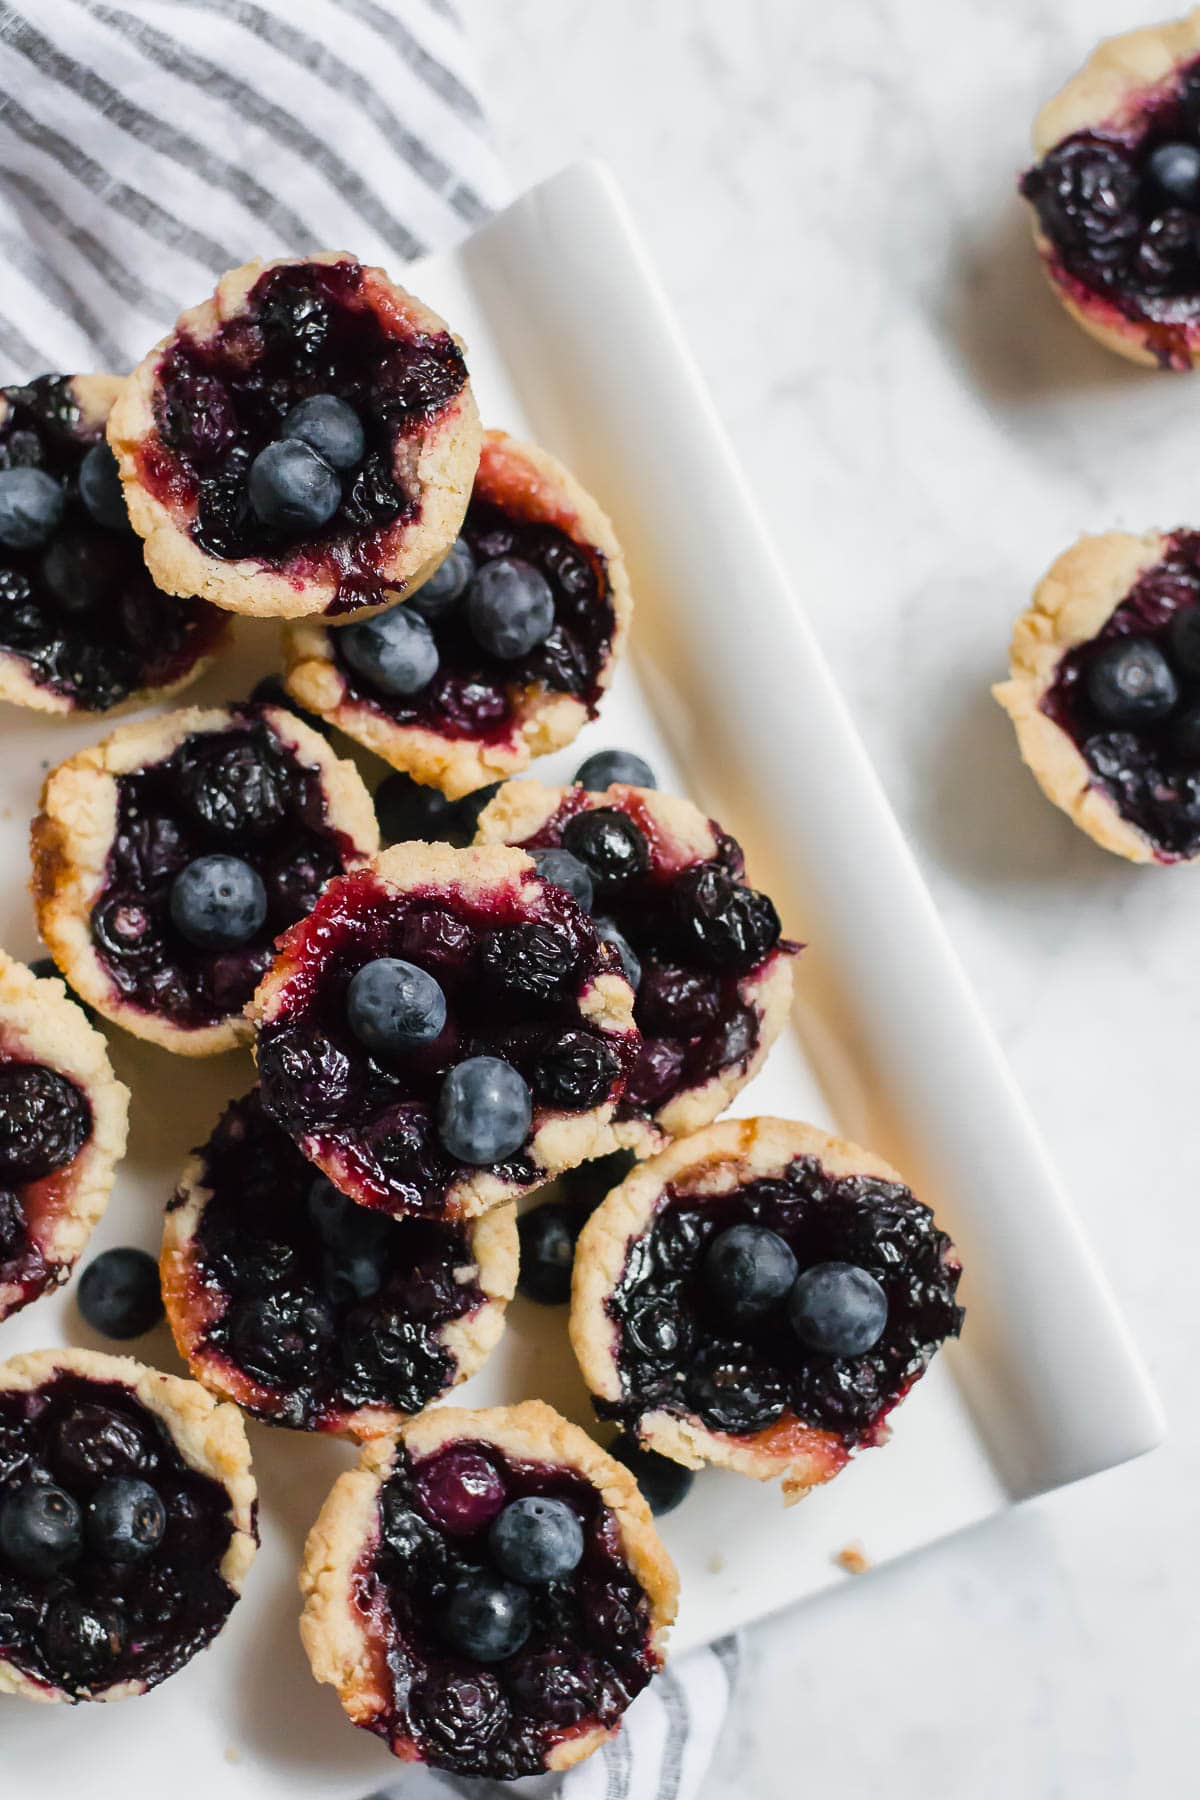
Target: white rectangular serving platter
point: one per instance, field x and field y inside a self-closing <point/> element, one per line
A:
<point x="571" y="343"/>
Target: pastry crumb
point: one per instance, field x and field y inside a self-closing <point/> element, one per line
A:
<point x="232" y="1754"/>
<point x="853" y="1558"/>
<point x="716" y="1562"/>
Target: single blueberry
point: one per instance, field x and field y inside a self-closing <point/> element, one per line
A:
<point x="440" y="593"/>
<point x="82" y="1639"/>
<point x="604" y="767"/>
<point x="548" y="1234"/>
<point x="724" y="924"/>
<point x="41" y="1529"/>
<point x="45" y="1120"/>
<point x="567" y="871"/>
<point x="282" y="1337"/>
<point x="1174" y="170"/>
<point x="630" y="961"/>
<point x="1129" y="682"/>
<point x="392" y="1006"/>
<point x="31" y="507"/>
<point x="126" y="1520"/>
<point x="120" y="1293"/>
<point x="610" y="846"/>
<point x="395" y="651"/>
<point x="536" y="1540"/>
<point x="484" y="1110"/>
<point x="575" y="1070"/>
<point x="330" y="427"/>
<point x="218" y="902"/>
<point x="1183" y="640"/>
<point x="485" y="1618"/>
<point x="732" y="1391"/>
<point x="838" y="1309"/>
<point x="663" y="1483"/>
<point x="100" y="488"/>
<point x="748" y="1270"/>
<point x="292" y="489"/>
<point x="510" y="608"/>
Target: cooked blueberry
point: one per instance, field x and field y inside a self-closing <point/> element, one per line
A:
<point x="609" y="845"/>
<point x="218" y="902"/>
<point x="330" y="427"/>
<point x="353" y="1272"/>
<point x="395" y="651"/>
<point x="120" y="1293"/>
<point x="748" y="1270"/>
<point x="409" y="1536"/>
<point x="656" y="1073"/>
<point x="82" y="1639"/>
<point x="392" y="1006"/>
<point x="604" y="767"/>
<point x="78" y="570"/>
<point x="510" y="607"/>
<point x="725" y="925"/>
<point x="291" y="488"/>
<point x="534" y="960"/>
<point x="441" y="592"/>
<point x="1086" y="195"/>
<point x="270" y="691"/>
<point x="575" y="1070"/>
<point x="100" y="488"/>
<point x="1183" y="638"/>
<point x="732" y="1392"/>
<point x="1129" y="682"/>
<point x="536" y="1540"/>
<point x="237" y="786"/>
<point x="838" y="1309"/>
<point x="566" y="871"/>
<point x="41" y="1529"/>
<point x="92" y="1442"/>
<point x="125" y="1521"/>
<point x="460" y="1489"/>
<point x="657" y="1328"/>
<point x="385" y="1356"/>
<point x="548" y="1234"/>
<point x="630" y="963"/>
<point x="31" y="508"/>
<point x="13" y="1225"/>
<point x="485" y="1618"/>
<point x="664" y="1484"/>
<point x="1175" y="171"/>
<point x="484" y="1110"/>
<point x="305" y="1078"/>
<point x="282" y="1337"/>
<point x="464" y="1712"/>
<point x="406" y="810"/>
<point x="45" y="1121"/>
<point x="686" y="1001"/>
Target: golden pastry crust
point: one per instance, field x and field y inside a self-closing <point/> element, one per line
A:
<point x="437" y="465"/>
<point x="1073" y="601"/>
<point x="209" y="1436"/>
<point x="713" y="1162"/>
<point x="39" y="1023"/>
<point x="684" y="836"/>
<point x="531" y="485"/>
<point x="559" y="1140"/>
<point x="333" y="1629"/>
<point x="73" y="833"/>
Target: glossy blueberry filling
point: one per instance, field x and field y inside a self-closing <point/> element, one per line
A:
<point x="45" y="1121"/>
<point x="155" y="1612"/>
<point x="588" y="1651"/>
<point x="681" y="1353"/>
<point x="80" y="610"/>
<point x="240" y="790"/>
<point x="307" y="1324"/>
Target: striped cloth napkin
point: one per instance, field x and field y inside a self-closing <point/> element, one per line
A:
<point x="145" y="148"/>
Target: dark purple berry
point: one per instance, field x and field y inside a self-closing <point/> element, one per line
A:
<point x="119" y="1293"/>
<point x="305" y="1078"/>
<point x="531" y="960"/>
<point x="724" y="925"/>
<point x="734" y="1393"/>
<point x="82" y="1639"/>
<point x="460" y="1490"/>
<point x="41" y="1530"/>
<point x="609" y="845"/>
<point x="548" y="1235"/>
<point x="45" y="1120"/>
<point x="485" y="1618"/>
<point x="575" y="1071"/>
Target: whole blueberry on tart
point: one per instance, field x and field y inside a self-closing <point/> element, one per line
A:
<point x="167" y="857"/>
<point x="63" y="1117"/>
<point x="302" y="442"/>
<point x="82" y="626"/>
<point x="507" y="648"/>
<point x="311" y="1311"/>
<point x="1104" y="691"/>
<point x="127" y="1524"/>
<point x="704" y="951"/>
<point x="760" y="1297"/>
<point x="1115" y="193"/>
<point x="444" y="1031"/>
<point x="487" y="1592"/>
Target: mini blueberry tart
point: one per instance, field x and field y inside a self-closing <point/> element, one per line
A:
<point x="310" y="1311"/>
<point x="82" y="626"/>
<point x="1115" y="193"/>
<point x="487" y="1592"/>
<point x="63" y="1116"/>
<point x="711" y="972"/>
<point x="127" y="1524"/>
<point x="1105" y="691"/>
<point x="760" y="1297"/>
<point x="302" y="442"/>
<point x="506" y="650"/>
<point x="444" y="1031"/>
<point x="168" y="856"/>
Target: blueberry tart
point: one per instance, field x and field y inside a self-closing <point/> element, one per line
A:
<point x="82" y="626"/>
<point x="487" y="1592"/>
<point x="1115" y="194"/>
<point x="506" y="650"/>
<point x="444" y="1031"/>
<point x="127" y="1524"/>
<point x="168" y="856"/>
<point x="760" y="1297"/>
<point x="63" y="1116"/>
<point x="302" y="442"/>
<point x="1105" y="691"/>
<point x="710" y="969"/>
<point x="310" y="1311"/>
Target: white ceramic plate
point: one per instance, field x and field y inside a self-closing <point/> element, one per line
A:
<point x="726" y="693"/>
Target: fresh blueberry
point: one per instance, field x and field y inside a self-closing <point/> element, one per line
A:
<point x="292" y="489"/>
<point x="748" y="1270"/>
<point x="441" y="592"/>
<point x="548" y="1234"/>
<point x="838" y="1309"/>
<point x="41" y="1529"/>
<point x="663" y="1483"/>
<point x="78" y="569"/>
<point x="567" y="871"/>
<point x="395" y="651"/>
<point x="510" y="608"/>
<point x="31" y="506"/>
<point x="406" y="810"/>
<point x="1129" y="682"/>
<point x="120" y="1294"/>
<point x="82" y="1639"/>
<point x="484" y="1110"/>
<point x="485" y="1618"/>
<point x="630" y="961"/>
<point x="100" y="488"/>
<point x="1183" y="638"/>
<point x="536" y="1540"/>
<point x="1175" y="171"/>
<point x="604" y="767"/>
<point x="126" y="1520"/>
<point x="218" y="902"/>
<point x="1185" y="736"/>
<point x="392" y="1006"/>
<point x="330" y="427"/>
<point x="609" y="845"/>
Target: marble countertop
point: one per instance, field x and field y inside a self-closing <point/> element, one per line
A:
<point x="828" y="195"/>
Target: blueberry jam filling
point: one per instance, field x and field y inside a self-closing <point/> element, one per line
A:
<point x="272" y="474"/>
<point x="736" y="1345"/>
<point x="76" y="603"/>
<point x="45" y="1121"/>
<point x="504" y="1609"/>
<point x="110" y="1544"/>
<point x="404" y="1120"/>
<point x="324" y="1305"/>
<point x="174" y="943"/>
<point x="1130" y="701"/>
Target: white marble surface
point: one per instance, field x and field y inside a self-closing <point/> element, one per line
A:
<point x="828" y="195"/>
